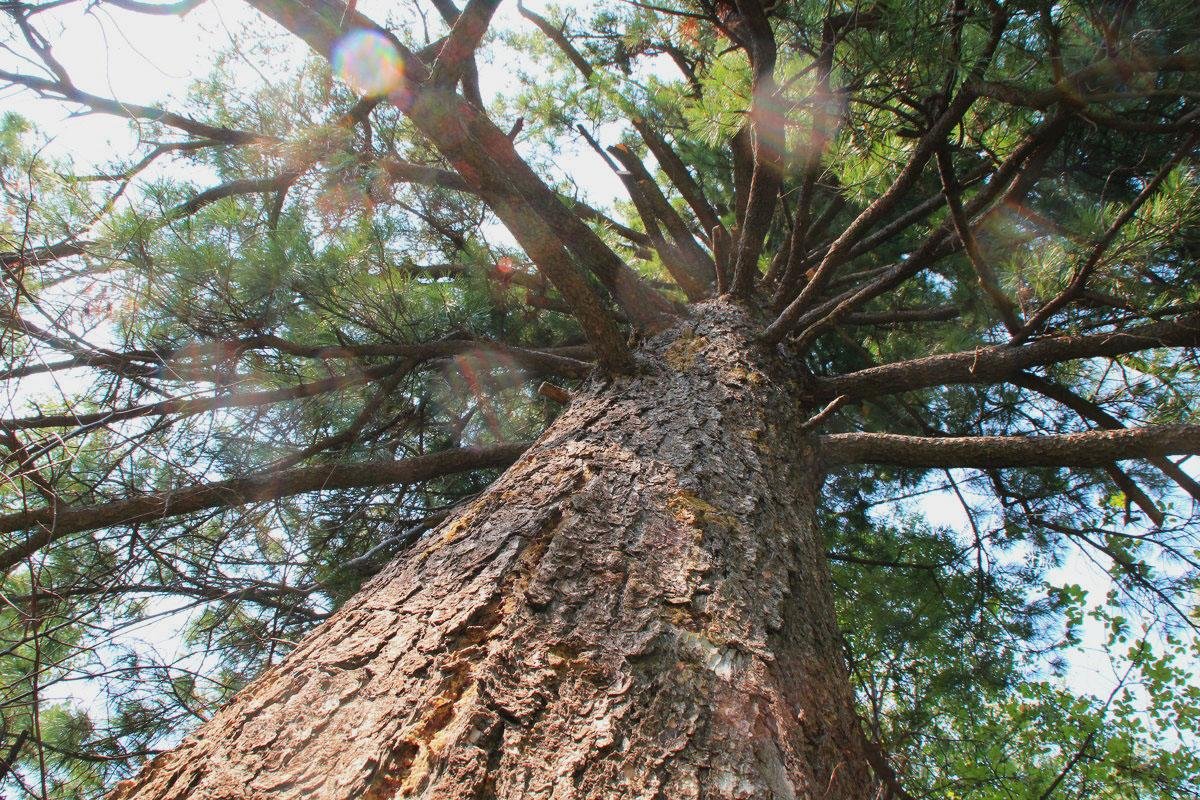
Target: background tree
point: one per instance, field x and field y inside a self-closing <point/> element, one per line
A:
<point x="864" y="253"/>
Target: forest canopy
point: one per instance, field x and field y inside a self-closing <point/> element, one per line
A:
<point x="298" y="315"/>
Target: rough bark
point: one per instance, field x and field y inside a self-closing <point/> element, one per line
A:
<point x="638" y="608"/>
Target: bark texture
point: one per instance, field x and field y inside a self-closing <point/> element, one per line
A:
<point x="638" y="608"/>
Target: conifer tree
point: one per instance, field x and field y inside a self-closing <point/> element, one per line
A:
<point x="357" y="444"/>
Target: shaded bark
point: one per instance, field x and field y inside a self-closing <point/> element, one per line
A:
<point x="639" y="607"/>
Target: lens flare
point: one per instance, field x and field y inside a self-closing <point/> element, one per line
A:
<point x="486" y="375"/>
<point x="369" y="63"/>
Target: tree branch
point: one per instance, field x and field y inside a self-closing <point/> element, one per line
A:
<point x="1085" y="270"/>
<point x="1003" y="363"/>
<point x="489" y="164"/>
<point x="1011" y="180"/>
<point x="233" y="189"/>
<point x="182" y="407"/>
<point x="1090" y="449"/>
<point x="559" y="38"/>
<point x="45" y="254"/>
<point x="681" y="178"/>
<point x="54" y="523"/>
<point x="467" y="31"/>
<point x="838" y="252"/>
<point x="1005" y="307"/>
<point x="902" y="316"/>
<point x="135" y="111"/>
<point x="687" y="262"/>
<point x="1091" y="411"/>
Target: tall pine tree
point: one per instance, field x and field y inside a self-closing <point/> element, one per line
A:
<point x="352" y="432"/>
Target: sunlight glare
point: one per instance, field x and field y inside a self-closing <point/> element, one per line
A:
<point x="369" y="63"/>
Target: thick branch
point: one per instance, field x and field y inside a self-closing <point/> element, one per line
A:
<point x="1085" y="270"/>
<point x="52" y="524"/>
<point x="667" y="158"/>
<point x="687" y="262"/>
<point x="768" y="140"/>
<point x="1003" y="363"/>
<point x="465" y="35"/>
<point x="285" y="598"/>
<point x="489" y="164"/>
<point x="902" y="316"/>
<point x="559" y="38"/>
<point x="839" y="251"/>
<point x="1005" y="307"/>
<point x="423" y="174"/>
<point x="42" y="255"/>
<point x="677" y="171"/>
<point x="539" y="360"/>
<point x="1090" y="449"/>
<point x="82" y="355"/>
<point x="1012" y="179"/>
<point x="1071" y="91"/>
<point x="1134" y="493"/>
<point x="427" y="175"/>
<point x="233" y="189"/>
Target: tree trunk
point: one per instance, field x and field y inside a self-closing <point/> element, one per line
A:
<point x="639" y="608"/>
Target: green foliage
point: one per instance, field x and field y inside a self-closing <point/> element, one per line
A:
<point x="1041" y="645"/>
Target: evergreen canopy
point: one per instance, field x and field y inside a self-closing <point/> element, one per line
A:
<point x="328" y="295"/>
